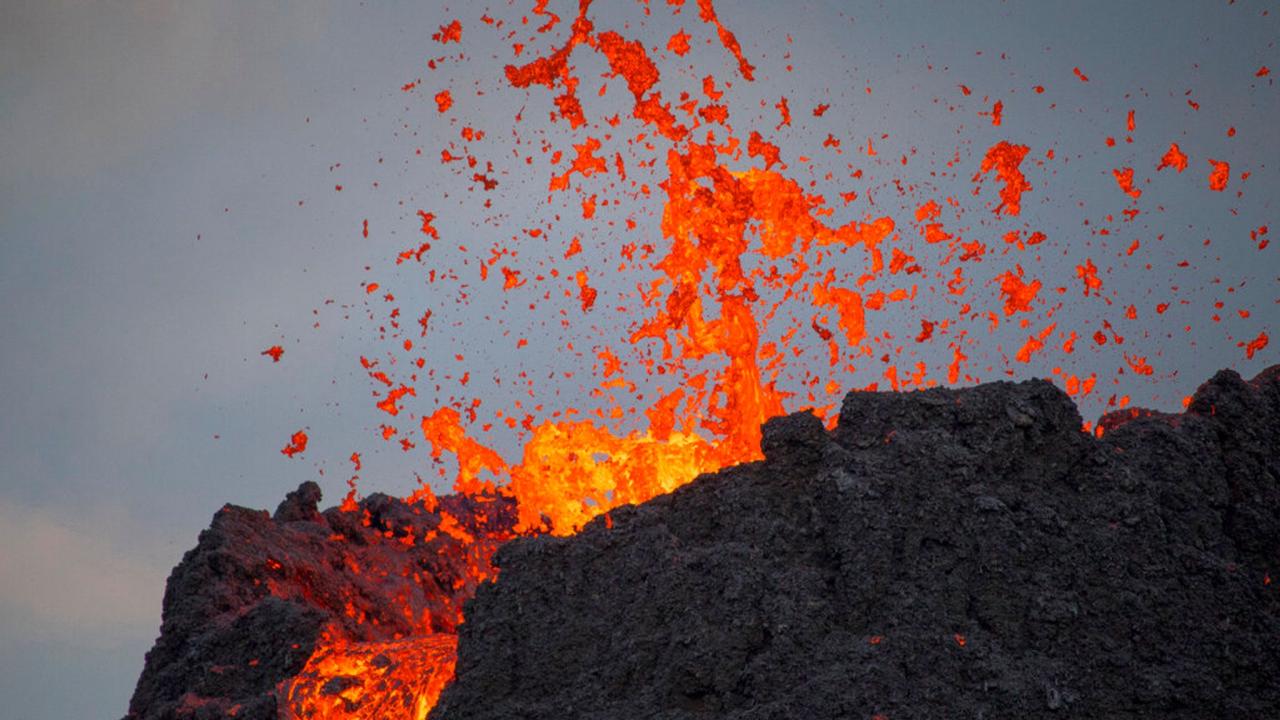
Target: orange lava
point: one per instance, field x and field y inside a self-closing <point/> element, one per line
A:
<point x="297" y="444"/>
<point x="1005" y="158"/>
<point x="1219" y="176"/>
<point x="747" y="281"/>
<point x="707" y="12"/>
<point x="396" y="680"/>
<point x="1124" y="178"/>
<point x="1256" y="344"/>
<point x="448" y="33"/>
<point x="1174" y="158"/>
<point x="1017" y="294"/>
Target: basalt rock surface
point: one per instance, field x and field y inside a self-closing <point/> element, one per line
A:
<point x="947" y="553"/>
<point x="246" y="607"/>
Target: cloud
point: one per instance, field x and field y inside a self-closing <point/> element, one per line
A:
<point x="64" y="581"/>
<point x="85" y="84"/>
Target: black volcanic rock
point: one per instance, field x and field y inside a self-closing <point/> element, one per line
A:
<point x="946" y="553"/>
<point x="245" y="608"/>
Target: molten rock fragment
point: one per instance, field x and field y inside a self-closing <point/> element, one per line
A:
<point x="945" y="553"/>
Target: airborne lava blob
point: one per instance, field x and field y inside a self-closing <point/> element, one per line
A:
<point x="727" y="279"/>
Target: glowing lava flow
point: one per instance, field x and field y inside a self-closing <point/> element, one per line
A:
<point x="391" y="679"/>
<point x="744" y="243"/>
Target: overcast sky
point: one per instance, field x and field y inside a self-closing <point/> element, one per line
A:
<point x="168" y="210"/>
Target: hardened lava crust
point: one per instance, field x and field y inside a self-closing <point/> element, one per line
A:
<point x="947" y="553"/>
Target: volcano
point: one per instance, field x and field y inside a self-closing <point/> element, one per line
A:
<point x="622" y="279"/>
<point x="960" y="553"/>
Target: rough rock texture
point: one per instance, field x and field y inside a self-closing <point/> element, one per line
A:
<point x="947" y="553"/>
<point x="244" y="609"/>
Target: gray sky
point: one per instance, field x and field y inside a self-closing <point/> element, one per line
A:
<point x="153" y="156"/>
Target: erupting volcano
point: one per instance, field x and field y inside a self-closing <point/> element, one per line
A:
<point x="678" y="257"/>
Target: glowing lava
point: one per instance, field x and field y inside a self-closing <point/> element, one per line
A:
<point x="751" y="294"/>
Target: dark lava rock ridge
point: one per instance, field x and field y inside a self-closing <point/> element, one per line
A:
<point x="941" y="554"/>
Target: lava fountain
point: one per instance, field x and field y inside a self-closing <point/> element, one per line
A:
<point x="734" y="271"/>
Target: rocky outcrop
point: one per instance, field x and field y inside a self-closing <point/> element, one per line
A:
<point x="245" y="609"/>
<point x="947" y="553"/>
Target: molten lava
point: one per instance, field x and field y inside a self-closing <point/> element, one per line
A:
<point x="751" y="272"/>
<point x="371" y="680"/>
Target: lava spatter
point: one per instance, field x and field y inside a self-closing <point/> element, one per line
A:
<point x="1174" y="158"/>
<point x="1219" y="176"/>
<point x="297" y="444"/>
<point x="748" y="286"/>
<point x="1005" y="159"/>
